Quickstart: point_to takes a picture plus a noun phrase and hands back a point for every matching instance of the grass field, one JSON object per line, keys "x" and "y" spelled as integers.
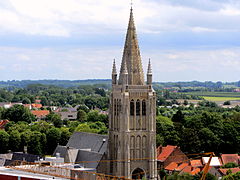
{"x": 214, "y": 94}
{"x": 209, "y": 98}
{"x": 217, "y": 96}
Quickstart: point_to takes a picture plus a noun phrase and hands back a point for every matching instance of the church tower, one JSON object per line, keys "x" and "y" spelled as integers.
{"x": 132, "y": 116}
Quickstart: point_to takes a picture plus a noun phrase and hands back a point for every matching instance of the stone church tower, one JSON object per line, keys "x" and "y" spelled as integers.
{"x": 132, "y": 117}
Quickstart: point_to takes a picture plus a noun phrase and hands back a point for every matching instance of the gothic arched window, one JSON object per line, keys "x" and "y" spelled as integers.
{"x": 138, "y": 147}
{"x": 132, "y": 147}
{"x": 144, "y": 108}
{"x": 132, "y": 107}
{"x": 144, "y": 145}
{"x": 138, "y": 107}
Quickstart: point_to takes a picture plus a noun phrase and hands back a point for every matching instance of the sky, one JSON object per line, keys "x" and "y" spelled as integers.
{"x": 78, "y": 39}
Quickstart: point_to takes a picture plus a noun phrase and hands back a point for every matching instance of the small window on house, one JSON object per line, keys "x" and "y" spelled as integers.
{"x": 144, "y": 108}
{"x": 138, "y": 108}
{"x": 132, "y": 108}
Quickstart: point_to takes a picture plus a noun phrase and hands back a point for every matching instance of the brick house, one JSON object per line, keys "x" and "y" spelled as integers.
{"x": 168, "y": 154}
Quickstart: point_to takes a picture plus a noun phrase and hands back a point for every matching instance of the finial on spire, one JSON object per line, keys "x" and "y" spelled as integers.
{"x": 114, "y": 69}
{"x": 131, "y": 4}
{"x": 149, "y": 67}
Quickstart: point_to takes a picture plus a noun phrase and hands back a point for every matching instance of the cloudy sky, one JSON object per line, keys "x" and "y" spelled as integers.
{"x": 78, "y": 39}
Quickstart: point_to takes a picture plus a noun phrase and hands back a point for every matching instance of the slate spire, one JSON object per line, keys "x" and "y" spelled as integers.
{"x": 131, "y": 56}
{"x": 114, "y": 69}
{"x": 149, "y": 71}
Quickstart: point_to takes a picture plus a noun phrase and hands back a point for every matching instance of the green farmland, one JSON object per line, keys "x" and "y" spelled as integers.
{"x": 217, "y": 96}
{"x": 210, "y": 98}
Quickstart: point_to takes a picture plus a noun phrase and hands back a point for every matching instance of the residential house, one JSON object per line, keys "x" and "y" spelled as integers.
{"x": 230, "y": 158}
{"x": 225, "y": 172}
{"x": 168, "y": 154}
{"x": 86, "y": 149}
{"x": 19, "y": 156}
{"x": 67, "y": 113}
{"x": 40, "y": 114}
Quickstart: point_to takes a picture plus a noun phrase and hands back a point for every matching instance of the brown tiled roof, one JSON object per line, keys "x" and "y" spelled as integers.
{"x": 187, "y": 169}
{"x": 40, "y": 113}
{"x": 166, "y": 152}
{"x": 181, "y": 166}
{"x": 227, "y": 158}
{"x": 196, "y": 163}
{"x": 233, "y": 170}
{"x": 171, "y": 166}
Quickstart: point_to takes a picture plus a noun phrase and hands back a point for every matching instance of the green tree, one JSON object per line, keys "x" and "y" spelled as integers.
{"x": 2, "y": 110}
{"x": 232, "y": 176}
{"x": 14, "y": 141}
{"x": 26, "y": 101}
{"x": 185, "y": 102}
{"x": 55, "y": 119}
{"x": 227, "y": 103}
{"x": 81, "y": 115}
{"x": 25, "y": 138}
{"x": 230, "y": 165}
{"x": 92, "y": 116}
{"x": 208, "y": 176}
{"x": 178, "y": 117}
{"x": 83, "y": 107}
{"x": 41, "y": 126}
{"x": 19, "y": 113}
{"x": 65, "y": 135}
{"x": 53, "y": 139}
{"x": 34, "y": 145}
{"x": 44, "y": 101}
{"x": 84, "y": 127}
{"x": 4, "y": 140}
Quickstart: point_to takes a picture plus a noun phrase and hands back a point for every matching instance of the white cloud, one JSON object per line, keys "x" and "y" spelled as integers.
{"x": 68, "y": 17}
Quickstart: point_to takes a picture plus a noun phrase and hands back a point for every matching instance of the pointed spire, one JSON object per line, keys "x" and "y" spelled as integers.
{"x": 131, "y": 56}
{"x": 124, "y": 70}
{"x": 149, "y": 71}
{"x": 114, "y": 69}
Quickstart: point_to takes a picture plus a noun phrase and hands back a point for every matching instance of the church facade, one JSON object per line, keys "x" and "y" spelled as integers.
{"x": 132, "y": 115}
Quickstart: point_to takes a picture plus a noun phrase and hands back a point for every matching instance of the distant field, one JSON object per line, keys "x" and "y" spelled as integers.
{"x": 209, "y": 98}
{"x": 214, "y": 94}
{"x": 217, "y": 96}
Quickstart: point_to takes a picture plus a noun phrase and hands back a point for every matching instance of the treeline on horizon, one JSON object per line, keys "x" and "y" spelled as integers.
{"x": 107, "y": 82}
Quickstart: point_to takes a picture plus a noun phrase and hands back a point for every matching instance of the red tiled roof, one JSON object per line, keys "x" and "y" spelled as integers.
{"x": 171, "y": 166}
{"x": 40, "y": 113}
{"x": 166, "y": 152}
{"x": 187, "y": 169}
{"x": 3, "y": 123}
{"x": 195, "y": 171}
{"x": 233, "y": 170}
{"x": 227, "y": 158}
{"x": 196, "y": 163}
{"x": 181, "y": 166}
